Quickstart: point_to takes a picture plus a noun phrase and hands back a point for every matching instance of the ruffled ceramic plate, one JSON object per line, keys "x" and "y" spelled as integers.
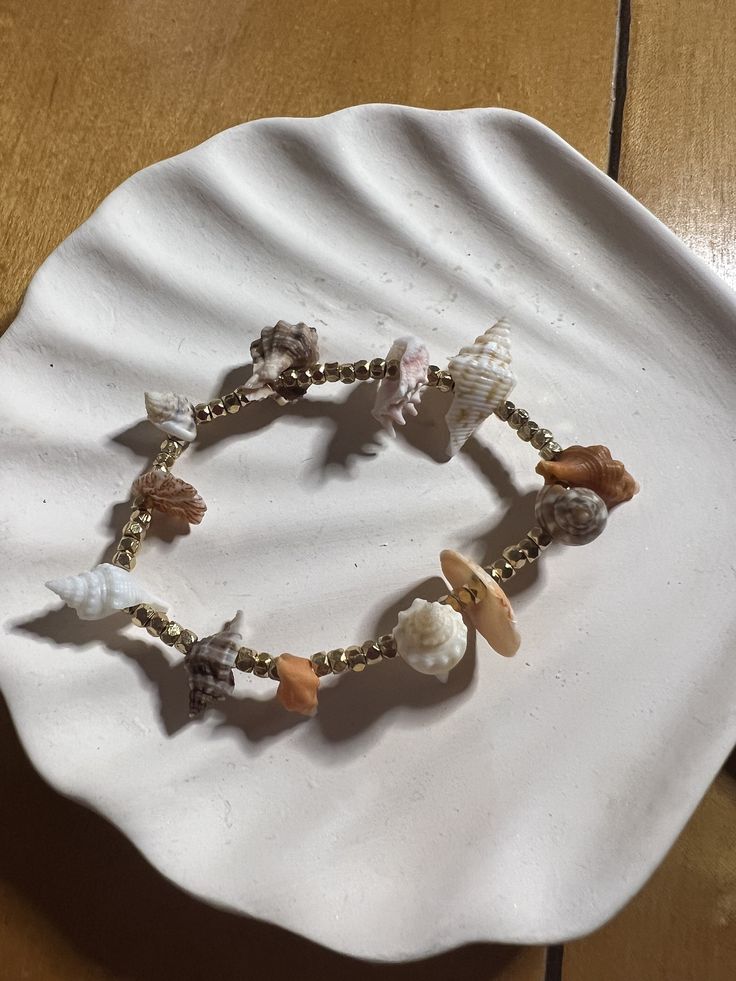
{"x": 530, "y": 797}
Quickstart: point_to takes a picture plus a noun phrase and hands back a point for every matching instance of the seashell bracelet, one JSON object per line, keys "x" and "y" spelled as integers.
{"x": 581, "y": 485}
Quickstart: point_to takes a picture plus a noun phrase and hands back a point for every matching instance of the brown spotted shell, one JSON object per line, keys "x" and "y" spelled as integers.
{"x": 298, "y": 684}
{"x": 165, "y": 492}
{"x": 210, "y": 665}
{"x": 591, "y": 467}
{"x": 278, "y": 348}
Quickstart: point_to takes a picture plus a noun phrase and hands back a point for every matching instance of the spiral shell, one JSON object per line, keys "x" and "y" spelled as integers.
{"x": 592, "y": 467}
{"x": 101, "y": 591}
{"x": 431, "y": 637}
{"x": 571, "y": 515}
{"x": 398, "y": 397}
{"x": 170, "y": 494}
{"x": 298, "y": 684}
{"x": 492, "y": 616}
{"x": 483, "y": 380}
{"x": 171, "y": 413}
{"x": 210, "y": 667}
{"x": 278, "y": 348}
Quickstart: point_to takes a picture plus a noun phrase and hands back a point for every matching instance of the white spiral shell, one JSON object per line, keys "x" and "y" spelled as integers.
{"x": 101, "y": 591}
{"x": 431, "y": 637}
{"x": 210, "y": 666}
{"x": 571, "y": 515}
{"x": 483, "y": 380}
{"x": 171, "y": 413}
{"x": 398, "y": 397}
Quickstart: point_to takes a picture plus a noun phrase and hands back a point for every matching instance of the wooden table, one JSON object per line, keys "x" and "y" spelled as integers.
{"x": 93, "y": 91}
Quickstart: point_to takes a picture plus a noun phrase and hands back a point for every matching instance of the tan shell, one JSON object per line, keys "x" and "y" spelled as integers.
{"x": 298, "y": 684}
{"x": 170, "y": 494}
{"x": 493, "y": 616}
{"x": 591, "y": 467}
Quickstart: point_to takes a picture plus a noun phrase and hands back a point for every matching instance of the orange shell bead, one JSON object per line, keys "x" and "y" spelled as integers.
{"x": 591, "y": 467}
{"x": 298, "y": 684}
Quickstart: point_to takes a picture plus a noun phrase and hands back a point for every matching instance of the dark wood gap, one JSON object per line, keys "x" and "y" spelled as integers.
{"x": 553, "y": 963}
{"x": 620, "y": 77}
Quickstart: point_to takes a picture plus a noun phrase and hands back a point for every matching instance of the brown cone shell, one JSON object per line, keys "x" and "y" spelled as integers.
{"x": 591, "y": 467}
{"x": 298, "y": 684}
{"x": 165, "y": 492}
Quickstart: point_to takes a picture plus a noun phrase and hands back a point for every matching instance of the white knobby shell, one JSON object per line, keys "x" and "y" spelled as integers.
{"x": 431, "y": 637}
{"x": 171, "y": 413}
{"x": 483, "y": 380}
{"x": 101, "y": 591}
{"x": 571, "y": 515}
{"x": 399, "y": 396}
{"x": 210, "y": 666}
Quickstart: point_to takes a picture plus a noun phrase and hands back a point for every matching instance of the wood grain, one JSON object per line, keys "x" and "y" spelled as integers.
{"x": 91, "y": 92}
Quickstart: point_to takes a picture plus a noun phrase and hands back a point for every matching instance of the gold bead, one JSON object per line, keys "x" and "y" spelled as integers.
{"x": 465, "y": 596}
{"x": 217, "y": 408}
{"x": 550, "y": 450}
{"x": 231, "y": 401}
{"x": 157, "y": 624}
{"x": 445, "y": 382}
{"x": 171, "y": 634}
{"x": 243, "y": 396}
{"x": 187, "y": 640}
{"x": 452, "y": 601}
{"x": 273, "y": 669}
{"x": 332, "y": 371}
{"x": 164, "y": 460}
{"x": 502, "y": 570}
{"x": 517, "y": 418}
{"x": 514, "y": 556}
{"x": 526, "y": 431}
{"x": 245, "y": 659}
{"x": 135, "y": 530}
{"x": 362, "y": 370}
{"x": 202, "y": 413}
{"x": 142, "y": 515}
{"x": 540, "y": 537}
{"x": 338, "y": 660}
{"x": 173, "y": 447}
{"x": 392, "y": 369}
{"x": 356, "y": 658}
{"x": 387, "y": 645}
{"x": 372, "y": 652}
{"x": 433, "y": 374}
{"x": 262, "y": 666}
{"x": 541, "y": 437}
{"x": 160, "y": 466}
{"x": 530, "y": 549}
{"x": 288, "y": 378}
{"x": 304, "y": 377}
{"x": 318, "y": 374}
{"x": 129, "y": 544}
{"x": 505, "y": 410}
{"x": 321, "y": 663}
{"x": 377, "y": 367}
{"x": 347, "y": 373}
{"x": 477, "y": 587}
{"x": 142, "y": 614}
{"x": 124, "y": 560}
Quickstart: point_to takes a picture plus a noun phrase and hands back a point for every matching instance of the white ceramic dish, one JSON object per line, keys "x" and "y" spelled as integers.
{"x": 528, "y": 799}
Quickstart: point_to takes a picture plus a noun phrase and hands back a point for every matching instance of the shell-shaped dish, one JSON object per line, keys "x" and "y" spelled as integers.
{"x": 592, "y": 467}
{"x": 298, "y": 684}
{"x": 101, "y": 591}
{"x": 399, "y": 397}
{"x": 171, "y": 413}
{"x": 483, "y": 380}
{"x": 278, "y": 348}
{"x": 492, "y": 616}
{"x": 571, "y": 515}
{"x": 210, "y": 666}
{"x": 171, "y": 495}
{"x": 431, "y": 637}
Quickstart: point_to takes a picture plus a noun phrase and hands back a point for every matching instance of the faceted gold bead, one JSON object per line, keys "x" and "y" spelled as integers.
{"x": 502, "y": 569}
{"x": 142, "y": 614}
{"x": 362, "y": 370}
{"x": 202, "y": 413}
{"x": 372, "y": 652}
{"x": 530, "y": 549}
{"x": 273, "y": 669}
{"x": 164, "y": 460}
{"x": 445, "y": 382}
{"x": 540, "y": 537}
{"x": 231, "y": 402}
{"x": 142, "y": 515}
{"x": 242, "y": 395}
{"x": 338, "y": 660}
{"x": 378, "y": 368}
{"x": 173, "y": 447}
{"x": 321, "y": 663}
{"x": 517, "y": 418}
{"x": 433, "y": 374}
{"x": 129, "y": 544}
{"x": 541, "y": 437}
{"x": 159, "y": 466}
{"x": 262, "y": 666}
{"x": 217, "y": 408}
{"x": 318, "y": 374}
{"x": 550, "y": 450}
{"x": 187, "y": 640}
{"x": 245, "y": 660}
{"x": 347, "y": 373}
{"x": 124, "y": 560}
{"x": 288, "y": 378}
{"x": 505, "y": 410}
{"x": 157, "y": 624}
{"x": 464, "y": 596}
{"x": 135, "y": 530}
{"x": 332, "y": 371}
{"x": 304, "y": 377}
{"x": 392, "y": 369}
{"x": 514, "y": 556}
{"x": 526, "y": 431}
{"x": 356, "y": 658}
{"x": 452, "y": 601}
{"x": 387, "y": 645}
{"x": 171, "y": 634}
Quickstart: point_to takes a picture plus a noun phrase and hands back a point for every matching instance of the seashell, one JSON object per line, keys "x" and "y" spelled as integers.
{"x": 278, "y": 348}
{"x": 492, "y": 616}
{"x": 102, "y": 591}
{"x": 171, "y": 495}
{"x": 397, "y": 397}
{"x": 591, "y": 467}
{"x": 431, "y": 637}
{"x": 483, "y": 380}
{"x": 571, "y": 515}
{"x": 298, "y": 684}
{"x": 172, "y": 414}
{"x": 210, "y": 666}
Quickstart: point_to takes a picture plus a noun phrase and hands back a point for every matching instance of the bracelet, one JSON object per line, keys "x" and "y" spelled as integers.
{"x": 581, "y": 484}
